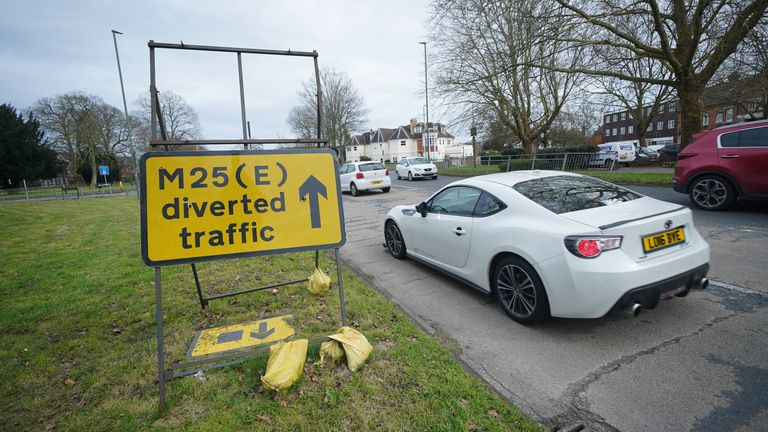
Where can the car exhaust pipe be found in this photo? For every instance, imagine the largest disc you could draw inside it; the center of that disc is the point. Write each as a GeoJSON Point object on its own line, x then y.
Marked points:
{"type": "Point", "coordinates": [634, 309]}
{"type": "Point", "coordinates": [700, 283]}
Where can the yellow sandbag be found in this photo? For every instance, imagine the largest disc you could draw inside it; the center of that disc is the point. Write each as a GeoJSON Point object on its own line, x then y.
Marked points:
{"type": "Point", "coordinates": [285, 364]}
{"type": "Point", "coordinates": [319, 282]}
{"type": "Point", "coordinates": [356, 346]}
{"type": "Point", "coordinates": [332, 349]}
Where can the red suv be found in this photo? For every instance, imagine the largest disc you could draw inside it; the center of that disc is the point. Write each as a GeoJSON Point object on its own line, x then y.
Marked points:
{"type": "Point", "coordinates": [725, 164]}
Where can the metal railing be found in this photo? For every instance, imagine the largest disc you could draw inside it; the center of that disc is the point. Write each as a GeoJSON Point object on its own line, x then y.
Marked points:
{"type": "Point", "coordinates": [580, 162]}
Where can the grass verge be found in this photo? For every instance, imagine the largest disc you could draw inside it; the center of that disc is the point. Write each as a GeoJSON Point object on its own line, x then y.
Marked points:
{"type": "Point", "coordinates": [77, 330]}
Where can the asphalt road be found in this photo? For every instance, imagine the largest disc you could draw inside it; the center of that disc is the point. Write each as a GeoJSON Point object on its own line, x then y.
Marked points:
{"type": "Point", "coordinates": [694, 363]}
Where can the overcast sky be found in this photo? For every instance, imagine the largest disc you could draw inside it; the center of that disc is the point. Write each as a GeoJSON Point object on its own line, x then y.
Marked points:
{"type": "Point", "coordinates": [56, 47]}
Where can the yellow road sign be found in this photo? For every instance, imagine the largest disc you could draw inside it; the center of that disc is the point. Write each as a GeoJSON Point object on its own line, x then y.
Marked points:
{"type": "Point", "coordinates": [198, 206]}
{"type": "Point", "coordinates": [237, 336]}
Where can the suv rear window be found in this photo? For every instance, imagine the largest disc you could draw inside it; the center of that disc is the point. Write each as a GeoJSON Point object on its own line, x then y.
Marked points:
{"type": "Point", "coordinates": [563, 194]}
{"type": "Point", "coordinates": [371, 167]}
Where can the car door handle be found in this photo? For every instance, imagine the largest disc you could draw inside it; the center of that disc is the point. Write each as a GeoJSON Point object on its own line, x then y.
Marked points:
{"type": "Point", "coordinates": [730, 156]}
{"type": "Point", "coordinates": [459, 231]}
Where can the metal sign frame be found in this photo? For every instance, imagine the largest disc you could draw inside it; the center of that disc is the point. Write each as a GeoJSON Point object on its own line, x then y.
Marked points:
{"type": "Point", "coordinates": [184, 368]}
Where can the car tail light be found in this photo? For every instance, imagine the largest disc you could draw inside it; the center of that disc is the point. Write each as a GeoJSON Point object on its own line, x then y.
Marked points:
{"type": "Point", "coordinates": [591, 247]}
{"type": "Point", "coordinates": [386, 172]}
{"type": "Point", "coordinates": [359, 175]}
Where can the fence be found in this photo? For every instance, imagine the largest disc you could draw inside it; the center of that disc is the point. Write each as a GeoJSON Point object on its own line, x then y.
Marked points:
{"type": "Point", "coordinates": [581, 162]}
{"type": "Point", "coordinates": [60, 188]}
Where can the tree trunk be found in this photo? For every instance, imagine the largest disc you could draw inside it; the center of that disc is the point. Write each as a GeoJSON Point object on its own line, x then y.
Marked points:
{"type": "Point", "coordinates": [94, 171]}
{"type": "Point", "coordinates": [691, 109]}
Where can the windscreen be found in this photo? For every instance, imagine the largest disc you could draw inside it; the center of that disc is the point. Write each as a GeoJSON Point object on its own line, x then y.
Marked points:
{"type": "Point", "coordinates": [372, 167]}
{"type": "Point", "coordinates": [418, 161]}
{"type": "Point", "coordinates": [563, 194]}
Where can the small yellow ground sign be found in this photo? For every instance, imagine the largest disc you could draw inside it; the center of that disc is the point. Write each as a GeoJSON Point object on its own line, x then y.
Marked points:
{"type": "Point", "coordinates": [220, 339]}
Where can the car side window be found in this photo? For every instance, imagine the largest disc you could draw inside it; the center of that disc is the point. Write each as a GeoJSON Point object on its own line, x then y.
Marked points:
{"type": "Point", "coordinates": [488, 205]}
{"type": "Point", "coordinates": [729, 139]}
{"type": "Point", "coordinates": [459, 200]}
{"type": "Point", "coordinates": [757, 137]}
{"type": "Point", "coordinates": [343, 169]}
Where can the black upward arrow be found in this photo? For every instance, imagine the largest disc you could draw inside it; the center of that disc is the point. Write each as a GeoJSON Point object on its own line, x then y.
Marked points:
{"type": "Point", "coordinates": [313, 188]}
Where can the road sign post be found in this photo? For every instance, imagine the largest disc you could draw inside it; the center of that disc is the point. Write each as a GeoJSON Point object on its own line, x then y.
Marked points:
{"type": "Point", "coordinates": [205, 206]}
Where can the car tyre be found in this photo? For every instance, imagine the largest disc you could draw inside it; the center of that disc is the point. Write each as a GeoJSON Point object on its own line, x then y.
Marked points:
{"type": "Point", "coordinates": [520, 291]}
{"type": "Point", "coordinates": [397, 173]}
{"type": "Point", "coordinates": [712, 192]}
{"type": "Point", "coordinates": [386, 189]}
{"type": "Point", "coordinates": [353, 190]}
{"type": "Point", "coordinates": [393, 238]}
{"type": "Point", "coordinates": [434, 178]}
{"type": "Point", "coordinates": [410, 176]}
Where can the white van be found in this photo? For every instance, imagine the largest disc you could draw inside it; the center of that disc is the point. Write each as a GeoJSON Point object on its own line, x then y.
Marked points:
{"type": "Point", "coordinates": [620, 152]}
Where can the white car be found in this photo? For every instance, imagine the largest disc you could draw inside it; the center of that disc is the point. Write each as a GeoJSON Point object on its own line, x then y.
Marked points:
{"type": "Point", "coordinates": [552, 243]}
{"type": "Point", "coordinates": [359, 176]}
{"type": "Point", "coordinates": [415, 167]}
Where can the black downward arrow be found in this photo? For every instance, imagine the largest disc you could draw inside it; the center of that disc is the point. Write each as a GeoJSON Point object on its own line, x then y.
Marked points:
{"type": "Point", "coordinates": [313, 188]}
{"type": "Point", "coordinates": [263, 333]}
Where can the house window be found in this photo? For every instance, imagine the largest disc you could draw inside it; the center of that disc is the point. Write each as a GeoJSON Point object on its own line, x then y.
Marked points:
{"type": "Point", "coordinates": [719, 118]}
{"type": "Point", "coordinates": [354, 148]}
{"type": "Point", "coordinates": [614, 131]}
{"type": "Point", "coordinates": [607, 132]}
{"type": "Point", "coordinates": [752, 107]}
{"type": "Point", "coordinates": [623, 116]}
{"type": "Point", "coordinates": [630, 129]}
{"type": "Point", "coordinates": [613, 117]}
{"type": "Point", "coordinates": [622, 130]}
{"type": "Point", "coordinates": [348, 149]}
{"type": "Point", "coordinates": [650, 127]}
{"type": "Point", "coordinates": [607, 119]}
{"type": "Point", "coordinates": [671, 124]}
{"type": "Point", "coordinates": [661, 108]}
{"type": "Point", "coordinates": [705, 119]}
{"type": "Point", "coordinates": [402, 143]}
{"type": "Point", "coordinates": [659, 125]}
{"type": "Point", "coordinates": [729, 115]}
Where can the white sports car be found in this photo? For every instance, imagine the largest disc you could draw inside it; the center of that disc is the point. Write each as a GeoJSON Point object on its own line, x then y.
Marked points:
{"type": "Point", "coordinates": [552, 243]}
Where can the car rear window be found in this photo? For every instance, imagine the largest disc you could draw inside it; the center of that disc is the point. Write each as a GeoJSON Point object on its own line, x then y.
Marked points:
{"type": "Point", "coordinates": [371, 167]}
{"type": "Point", "coordinates": [563, 194]}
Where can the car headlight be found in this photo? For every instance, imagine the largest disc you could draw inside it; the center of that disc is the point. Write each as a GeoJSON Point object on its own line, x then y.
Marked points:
{"type": "Point", "coordinates": [591, 246]}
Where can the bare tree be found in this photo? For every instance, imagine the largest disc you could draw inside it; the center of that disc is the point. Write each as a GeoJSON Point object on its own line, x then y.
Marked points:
{"type": "Point", "coordinates": [689, 39]}
{"type": "Point", "coordinates": [83, 130]}
{"type": "Point", "coordinates": [640, 99]}
{"type": "Point", "coordinates": [180, 119]}
{"type": "Point", "coordinates": [344, 110]}
{"type": "Point", "coordinates": [483, 56]}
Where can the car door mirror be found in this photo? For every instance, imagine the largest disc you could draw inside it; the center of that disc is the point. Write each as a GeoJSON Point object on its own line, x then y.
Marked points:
{"type": "Point", "coordinates": [422, 208]}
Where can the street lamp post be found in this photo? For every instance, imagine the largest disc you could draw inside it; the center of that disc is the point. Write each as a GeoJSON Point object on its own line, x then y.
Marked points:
{"type": "Point", "coordinates": [127, 122]}
{"type": "Point", "coordinates": [426, 97]}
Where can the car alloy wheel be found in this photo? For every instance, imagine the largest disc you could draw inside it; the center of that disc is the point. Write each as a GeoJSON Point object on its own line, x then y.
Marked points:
{"type": "Point", "coordinates": [410, 176]}
{"type": "Point", "coordinates": [712, 193]}
{"type": "Point", "coordinates": [353, 190]}
{"type": "Point", "coordinates": [520, 291]}
{"type": "Point", "coordinates": [394, 240]}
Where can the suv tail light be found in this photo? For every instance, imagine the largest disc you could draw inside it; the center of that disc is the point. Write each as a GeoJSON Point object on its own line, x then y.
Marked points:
{"type": "Point", "coordinates": [591, 247]}
{"type": "Point", "coordinates": [359, 175]}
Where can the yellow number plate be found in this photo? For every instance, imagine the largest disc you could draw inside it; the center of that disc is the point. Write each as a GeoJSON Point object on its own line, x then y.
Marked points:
{"type": "Point", "coordinates": [377, 182]}
{"type": "Point", "coordinates": [664, 239]}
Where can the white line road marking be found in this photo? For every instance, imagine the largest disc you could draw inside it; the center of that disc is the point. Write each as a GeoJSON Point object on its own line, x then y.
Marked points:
{"type": "Point", "coordinates": [737, 288]}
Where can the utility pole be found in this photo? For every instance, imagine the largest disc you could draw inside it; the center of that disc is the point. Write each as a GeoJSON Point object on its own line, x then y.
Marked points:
{"type": "Point", "coordinates": [426, 97]}
{"type": "Point", "coordinates": [127, 121]}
